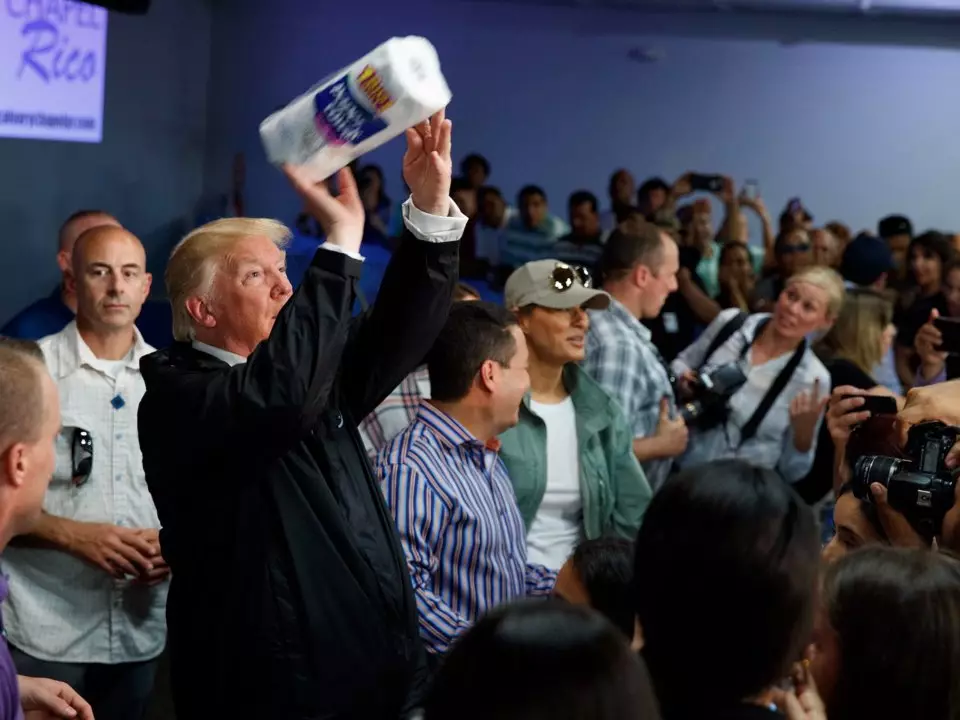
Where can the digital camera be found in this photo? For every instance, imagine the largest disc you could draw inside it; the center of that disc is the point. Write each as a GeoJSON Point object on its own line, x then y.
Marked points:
{"type": "Point", "coordinates": [919, 486]}
{"type": "Point", "coordinates": [711, 391]}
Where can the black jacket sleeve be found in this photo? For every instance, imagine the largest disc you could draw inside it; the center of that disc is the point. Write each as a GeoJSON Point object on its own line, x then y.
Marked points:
{"type": "Point", "coordinates": [278, 394]}
{"type": "Point", "coordinates": [393, 337]}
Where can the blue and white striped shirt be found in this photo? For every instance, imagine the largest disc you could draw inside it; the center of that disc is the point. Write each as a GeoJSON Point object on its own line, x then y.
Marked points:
{"type": "Point", "coordinates": [459, 524]}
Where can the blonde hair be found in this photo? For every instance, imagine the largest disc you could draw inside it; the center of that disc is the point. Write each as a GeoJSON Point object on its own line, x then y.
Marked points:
{"type": "Point", "coordinates": [827, 280]}
{"type": "Point", "coordinates": [857, 335]}
{"type": "Point", "coordinates": [196, 260]}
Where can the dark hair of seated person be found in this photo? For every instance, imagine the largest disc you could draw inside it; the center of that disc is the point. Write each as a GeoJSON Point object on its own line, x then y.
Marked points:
{"type": "Point", "coordinates": [541, 660]}
{"type": "Point", "coordinates": [605, 567]}
{"type": "Point", "coordinates": [725, 574]}
{"type": "Point", "coordinates": [888, 636]}
{"type": "Point", "coordinates": [474, 333]}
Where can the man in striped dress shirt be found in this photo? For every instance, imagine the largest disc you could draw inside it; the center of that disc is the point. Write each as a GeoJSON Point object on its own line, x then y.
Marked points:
{"type": "Point", "coordinates": [447, 488]}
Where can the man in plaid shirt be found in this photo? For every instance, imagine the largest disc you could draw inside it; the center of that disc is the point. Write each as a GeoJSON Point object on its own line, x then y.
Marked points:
{"type": "Point", "coordinates": [400, 407]}
{"type": "Point", "coordinates": [639, 270]}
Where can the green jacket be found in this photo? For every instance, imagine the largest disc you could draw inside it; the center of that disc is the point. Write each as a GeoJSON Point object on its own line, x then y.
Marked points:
{"type": "Point", "coordinates": [613, 488]}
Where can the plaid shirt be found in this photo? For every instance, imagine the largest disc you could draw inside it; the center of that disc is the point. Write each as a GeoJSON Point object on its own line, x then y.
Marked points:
{"type": "Point", "coordinates": [621, 357]}
{"type": "Point", "coordinates": [396, 413]}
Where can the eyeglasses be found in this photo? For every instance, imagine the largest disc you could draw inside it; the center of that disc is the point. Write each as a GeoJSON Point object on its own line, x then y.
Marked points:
{"type": "Point", "coordinates": [566, 276]}
{"type": "Point", "coordinates": [81, 455]}
{"type": "Point", "coordinates": [791, 249]}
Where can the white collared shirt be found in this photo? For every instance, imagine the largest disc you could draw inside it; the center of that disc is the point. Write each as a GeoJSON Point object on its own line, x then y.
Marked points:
{"type": "Point", "coordinates": [61, 608]}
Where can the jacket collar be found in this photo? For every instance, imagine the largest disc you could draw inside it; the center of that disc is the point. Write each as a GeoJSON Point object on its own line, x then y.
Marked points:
{"type": "Point", "coordinates": [620, 312]}
{"type": "Point", "coordinates": [449, 431]}
{"type": "Point", "coordinates": [591, 402]}
{"type": "Point", "coordinates": [72, 352]}
{"type": "Point", "coordinates": [226, 356]}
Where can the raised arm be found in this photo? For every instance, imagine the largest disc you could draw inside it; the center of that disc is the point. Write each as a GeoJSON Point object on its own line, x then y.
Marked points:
{"type": "Point", "coordinates": [420, 515]}
{"type": "Point", "coordinates": [393, 338]}
{"type": "Point", "coordinates": [282, 389]}
{"type": "Point", "coordinates": [759, 207]}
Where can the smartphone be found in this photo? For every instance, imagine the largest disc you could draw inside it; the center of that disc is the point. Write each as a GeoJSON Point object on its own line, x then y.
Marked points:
{"type": "Point", "coordinates": [751, 189]}
{"type": "Point", "coordinates": [876, 405]}
{"type": "Point", "coordinates": [706, 183]}
{"type": "Point", "coordinates": [950, 330]}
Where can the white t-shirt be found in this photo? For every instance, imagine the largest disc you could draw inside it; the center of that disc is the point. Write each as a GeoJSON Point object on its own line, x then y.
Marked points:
{"type": "Point", "coordinates": [558, 524]}
{"type": "Point", "coordinates": [110, 368]}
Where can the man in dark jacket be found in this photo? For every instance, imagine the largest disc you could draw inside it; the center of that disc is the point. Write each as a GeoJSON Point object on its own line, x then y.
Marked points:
{"type": "Point", "coordinates": [290, 598]}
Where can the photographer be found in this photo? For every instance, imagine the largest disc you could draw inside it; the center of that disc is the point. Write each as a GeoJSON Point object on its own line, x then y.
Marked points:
{"type": "Point", "coordinates": [916, 503]}
{"type": "Point", "coordinates": [771, 417]}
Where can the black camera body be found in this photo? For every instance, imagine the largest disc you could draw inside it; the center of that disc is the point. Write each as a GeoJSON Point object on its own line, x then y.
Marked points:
{"type": "Point", "coordinates": [921, 486]}
{"type": "Point", "coordinates": [710, 393]}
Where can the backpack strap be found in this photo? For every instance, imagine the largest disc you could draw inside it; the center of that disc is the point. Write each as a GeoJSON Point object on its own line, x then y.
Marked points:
{"type": "Point", "coordinates": [753, 424]}
{"type": "Point", "coordinates": [725, 333]}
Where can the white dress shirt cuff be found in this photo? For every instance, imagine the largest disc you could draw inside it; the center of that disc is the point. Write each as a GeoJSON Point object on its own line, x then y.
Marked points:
{"type": "Point", "coordinates": [434, 228]}
{"type": "Point", "coordinates": [337, 248]}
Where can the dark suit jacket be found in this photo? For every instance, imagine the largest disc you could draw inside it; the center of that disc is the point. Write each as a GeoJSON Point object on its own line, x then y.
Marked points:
{"type": "Point", "coordinates": [290, 597]}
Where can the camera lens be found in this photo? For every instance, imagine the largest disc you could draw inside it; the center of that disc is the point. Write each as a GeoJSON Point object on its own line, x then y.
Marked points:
{"type": "Point", "coordinates": [875, 469]}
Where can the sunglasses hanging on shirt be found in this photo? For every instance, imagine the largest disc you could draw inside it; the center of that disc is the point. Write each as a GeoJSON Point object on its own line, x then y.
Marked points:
{"type": "Point", "coordinates": [81, 454]}
{"type": "Point", "coordinates": [566, 276]}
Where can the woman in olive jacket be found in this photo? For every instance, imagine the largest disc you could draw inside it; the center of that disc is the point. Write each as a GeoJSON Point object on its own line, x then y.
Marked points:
{"type": "Point", "coordinates": [570, 457]}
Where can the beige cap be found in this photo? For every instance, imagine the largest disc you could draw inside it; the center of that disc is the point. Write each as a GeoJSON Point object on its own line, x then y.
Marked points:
{"type": "Point", "coordinates": [551, 284]}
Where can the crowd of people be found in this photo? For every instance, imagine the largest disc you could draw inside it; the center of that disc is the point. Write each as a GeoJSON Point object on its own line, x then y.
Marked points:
{"type": "Point", "coordinates": [675, 473]}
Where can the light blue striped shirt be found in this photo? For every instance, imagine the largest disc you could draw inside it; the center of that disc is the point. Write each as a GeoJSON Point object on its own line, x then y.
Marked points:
{"type": "Point", "coordinates": [459, 524]}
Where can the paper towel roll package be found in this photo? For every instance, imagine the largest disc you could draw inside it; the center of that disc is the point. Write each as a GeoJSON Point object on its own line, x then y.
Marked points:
{"type": "Point", "coordinates": [359, 108]}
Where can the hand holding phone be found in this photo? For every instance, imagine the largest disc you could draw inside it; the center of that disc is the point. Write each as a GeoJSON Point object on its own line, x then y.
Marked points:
{"type": "Point", "coordinates": [875, 404]}
{"type": "Point", "coordinates": [706, 183]}
{"type": "Point", "coordinates": [949, 332]}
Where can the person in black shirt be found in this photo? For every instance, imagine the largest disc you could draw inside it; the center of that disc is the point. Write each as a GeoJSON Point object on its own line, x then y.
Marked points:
{"type": "Point", "coordinates": [928, 255]}
{"type": "Point", "coordinates": [936, 365]}
{"type": "Point", "coordinates": [689, 309]}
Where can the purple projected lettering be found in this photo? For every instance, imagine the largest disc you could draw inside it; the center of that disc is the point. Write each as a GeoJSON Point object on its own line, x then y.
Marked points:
{"type": "Point", "coordinates": [47, 52]}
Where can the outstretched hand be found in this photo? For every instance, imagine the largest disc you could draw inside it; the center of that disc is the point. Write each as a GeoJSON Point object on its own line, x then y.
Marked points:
{"type": "Point", "coordinates": [341, 216]}
{"type": "Point", "coordinates": [428, 166]}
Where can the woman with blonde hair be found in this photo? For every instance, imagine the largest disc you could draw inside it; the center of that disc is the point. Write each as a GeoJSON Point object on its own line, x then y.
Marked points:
{"type": "Point", "coordinates": [771, 416]}
{"type": "Point", "coordinates": [860, 337]}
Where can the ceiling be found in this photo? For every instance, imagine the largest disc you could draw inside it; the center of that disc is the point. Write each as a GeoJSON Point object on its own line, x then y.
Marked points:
{"type": "Point", "coordinates": [868, 8]}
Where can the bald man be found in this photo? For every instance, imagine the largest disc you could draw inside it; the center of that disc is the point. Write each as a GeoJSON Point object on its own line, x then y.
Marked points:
{"type": "Point", "coordinates": [52, 313]}
{"type": "Point", "coordinates": [88, 591]}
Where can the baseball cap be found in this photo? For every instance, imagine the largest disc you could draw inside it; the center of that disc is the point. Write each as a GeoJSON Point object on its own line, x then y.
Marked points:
{"type": "Point", "coordinates": [866, 258]}
{"type": "Point", "coordinates": [552, 284]}
{"type": "Point", "coordinates": [895, 225]}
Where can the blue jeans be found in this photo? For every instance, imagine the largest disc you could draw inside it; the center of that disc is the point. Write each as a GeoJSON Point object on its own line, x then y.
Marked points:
{"type": "Point", "coordinates": [116, 692]}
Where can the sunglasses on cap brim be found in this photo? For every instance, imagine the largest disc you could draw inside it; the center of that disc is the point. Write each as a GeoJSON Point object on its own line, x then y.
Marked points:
{"type": "Point", "coordinates": [566, 276]}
